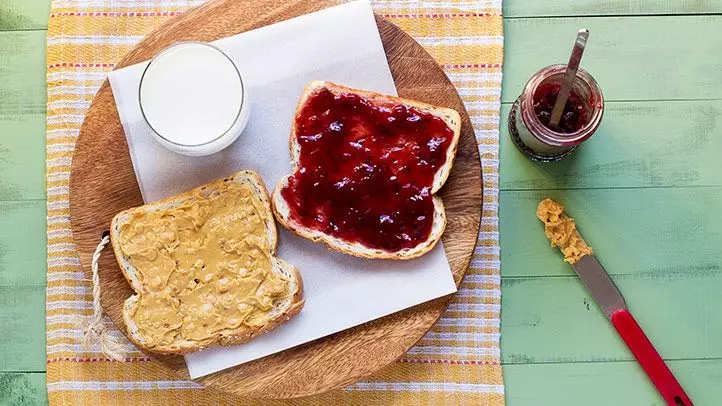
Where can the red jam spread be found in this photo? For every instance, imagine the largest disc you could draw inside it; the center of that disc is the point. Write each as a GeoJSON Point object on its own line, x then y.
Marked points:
{"type": "Point", "coordinates": [574, 116]}
{"type": "Point", "coordinates": [366, 170]}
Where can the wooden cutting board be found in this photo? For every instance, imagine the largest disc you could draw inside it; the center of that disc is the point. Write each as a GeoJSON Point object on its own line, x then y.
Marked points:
{"type": "Point", "coordinates": [103, 183]}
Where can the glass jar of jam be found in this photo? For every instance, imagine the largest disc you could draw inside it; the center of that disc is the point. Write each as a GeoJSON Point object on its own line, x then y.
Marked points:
{"type": "Point", "coordinates": [530, 114]}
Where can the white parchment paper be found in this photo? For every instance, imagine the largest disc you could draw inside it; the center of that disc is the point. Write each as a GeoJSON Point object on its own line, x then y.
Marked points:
{"type": "Point", "coordinates": [339, 44]}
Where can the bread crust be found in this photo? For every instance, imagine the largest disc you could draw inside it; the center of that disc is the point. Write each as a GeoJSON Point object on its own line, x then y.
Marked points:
{"type": "Point", "coordinates": [293, 304]}
{"type": "Point", "coordinates": [282, 213]}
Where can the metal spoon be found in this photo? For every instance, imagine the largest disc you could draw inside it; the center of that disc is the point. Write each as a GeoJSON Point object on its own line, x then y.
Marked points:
{"type": "Point", "coordinates": [569, 76]}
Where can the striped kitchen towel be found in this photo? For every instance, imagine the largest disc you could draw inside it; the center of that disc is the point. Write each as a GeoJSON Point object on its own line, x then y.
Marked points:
{"type": "Point", "coordinates": [457, 362]}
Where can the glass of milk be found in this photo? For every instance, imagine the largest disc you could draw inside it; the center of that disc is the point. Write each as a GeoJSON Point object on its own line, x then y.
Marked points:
{"type": "Point", "coordinates": [193, 98]}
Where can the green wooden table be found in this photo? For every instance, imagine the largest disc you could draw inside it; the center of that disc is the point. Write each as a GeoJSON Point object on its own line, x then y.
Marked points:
{"type": "Point", "coordinates": [646, 190]}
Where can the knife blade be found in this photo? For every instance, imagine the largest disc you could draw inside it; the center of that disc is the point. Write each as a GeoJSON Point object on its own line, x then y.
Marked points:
{"type": "Point", "coordinates": [599, 285]}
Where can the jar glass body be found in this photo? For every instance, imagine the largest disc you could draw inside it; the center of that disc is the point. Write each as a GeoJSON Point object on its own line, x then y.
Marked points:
{"type": "Point", "coordinates": [538, 141]}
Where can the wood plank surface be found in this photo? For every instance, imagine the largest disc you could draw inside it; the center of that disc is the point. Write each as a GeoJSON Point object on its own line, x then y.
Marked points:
{"type": "Point", "coordinates": [660, 231]}
{"type": "Point", "coordinates": [607, 383]}
{"type": "Point", "coordinates": [22, 389]}
{"type": "Point", "coordinates": [24, 15]}
{"type": "Point", "coordinates": [22, 74]}
{"type": "Point", "coordinates": [22, 115]}
{"type": "Point", "coordinates": [568, 8]}
{"type": "Point", "coordinates": [546, 326]}
{"type": "Point", "coordinates": [22, 213]}
{"type": "Point", "coordinates": [22, 317]}
{"type": "Point", "coordinates": [22, 243]}
{"type": "Point", "coordinates": [632, 58]}
{"type": "Point", "coordinates": [639, 144]}
{"type": "Point", "coordinates": [22, 157]}
{"type": "Point", "coordinates": [552, 320]}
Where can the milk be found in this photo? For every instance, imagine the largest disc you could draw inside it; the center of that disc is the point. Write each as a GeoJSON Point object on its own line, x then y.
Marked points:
{"type": "Point", "coordinates": [192, 97]}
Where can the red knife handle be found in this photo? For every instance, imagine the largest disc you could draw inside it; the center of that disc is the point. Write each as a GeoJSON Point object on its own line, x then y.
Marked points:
{"type": "Point", "coordinates": [649, 359]}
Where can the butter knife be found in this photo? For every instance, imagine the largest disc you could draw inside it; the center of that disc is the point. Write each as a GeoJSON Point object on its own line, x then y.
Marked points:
{"type": "Point", "coordinates": [607, 296]}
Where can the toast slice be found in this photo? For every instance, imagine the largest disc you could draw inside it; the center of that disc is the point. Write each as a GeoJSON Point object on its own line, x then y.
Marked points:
{"type": "Point", "coordinates": [366, 247]}
{"type": "Point", "coordinates": [203, 268]}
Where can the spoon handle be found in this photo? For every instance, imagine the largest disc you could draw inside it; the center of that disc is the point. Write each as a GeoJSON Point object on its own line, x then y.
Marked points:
{"type": "Point", "coordinates": [569, 77]}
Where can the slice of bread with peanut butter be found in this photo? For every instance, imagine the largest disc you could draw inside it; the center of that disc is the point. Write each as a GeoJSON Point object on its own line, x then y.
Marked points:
{"type": "Point", "coordinates": [203, 267]}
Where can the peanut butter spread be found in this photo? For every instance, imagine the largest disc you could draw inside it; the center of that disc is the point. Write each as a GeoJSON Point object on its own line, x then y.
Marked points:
{"type": "Point", "coordinates": [561, 230]}
{"type": "Point", "coordinates": [204, 266]}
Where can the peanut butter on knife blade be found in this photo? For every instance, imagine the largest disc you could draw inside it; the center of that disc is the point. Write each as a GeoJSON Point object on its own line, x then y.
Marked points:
{"type": "Point", "coordinates": [561, 230]}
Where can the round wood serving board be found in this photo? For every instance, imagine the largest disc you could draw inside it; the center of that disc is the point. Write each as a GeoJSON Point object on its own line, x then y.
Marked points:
{"type": "Point", "coordinates": [103, 183]}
